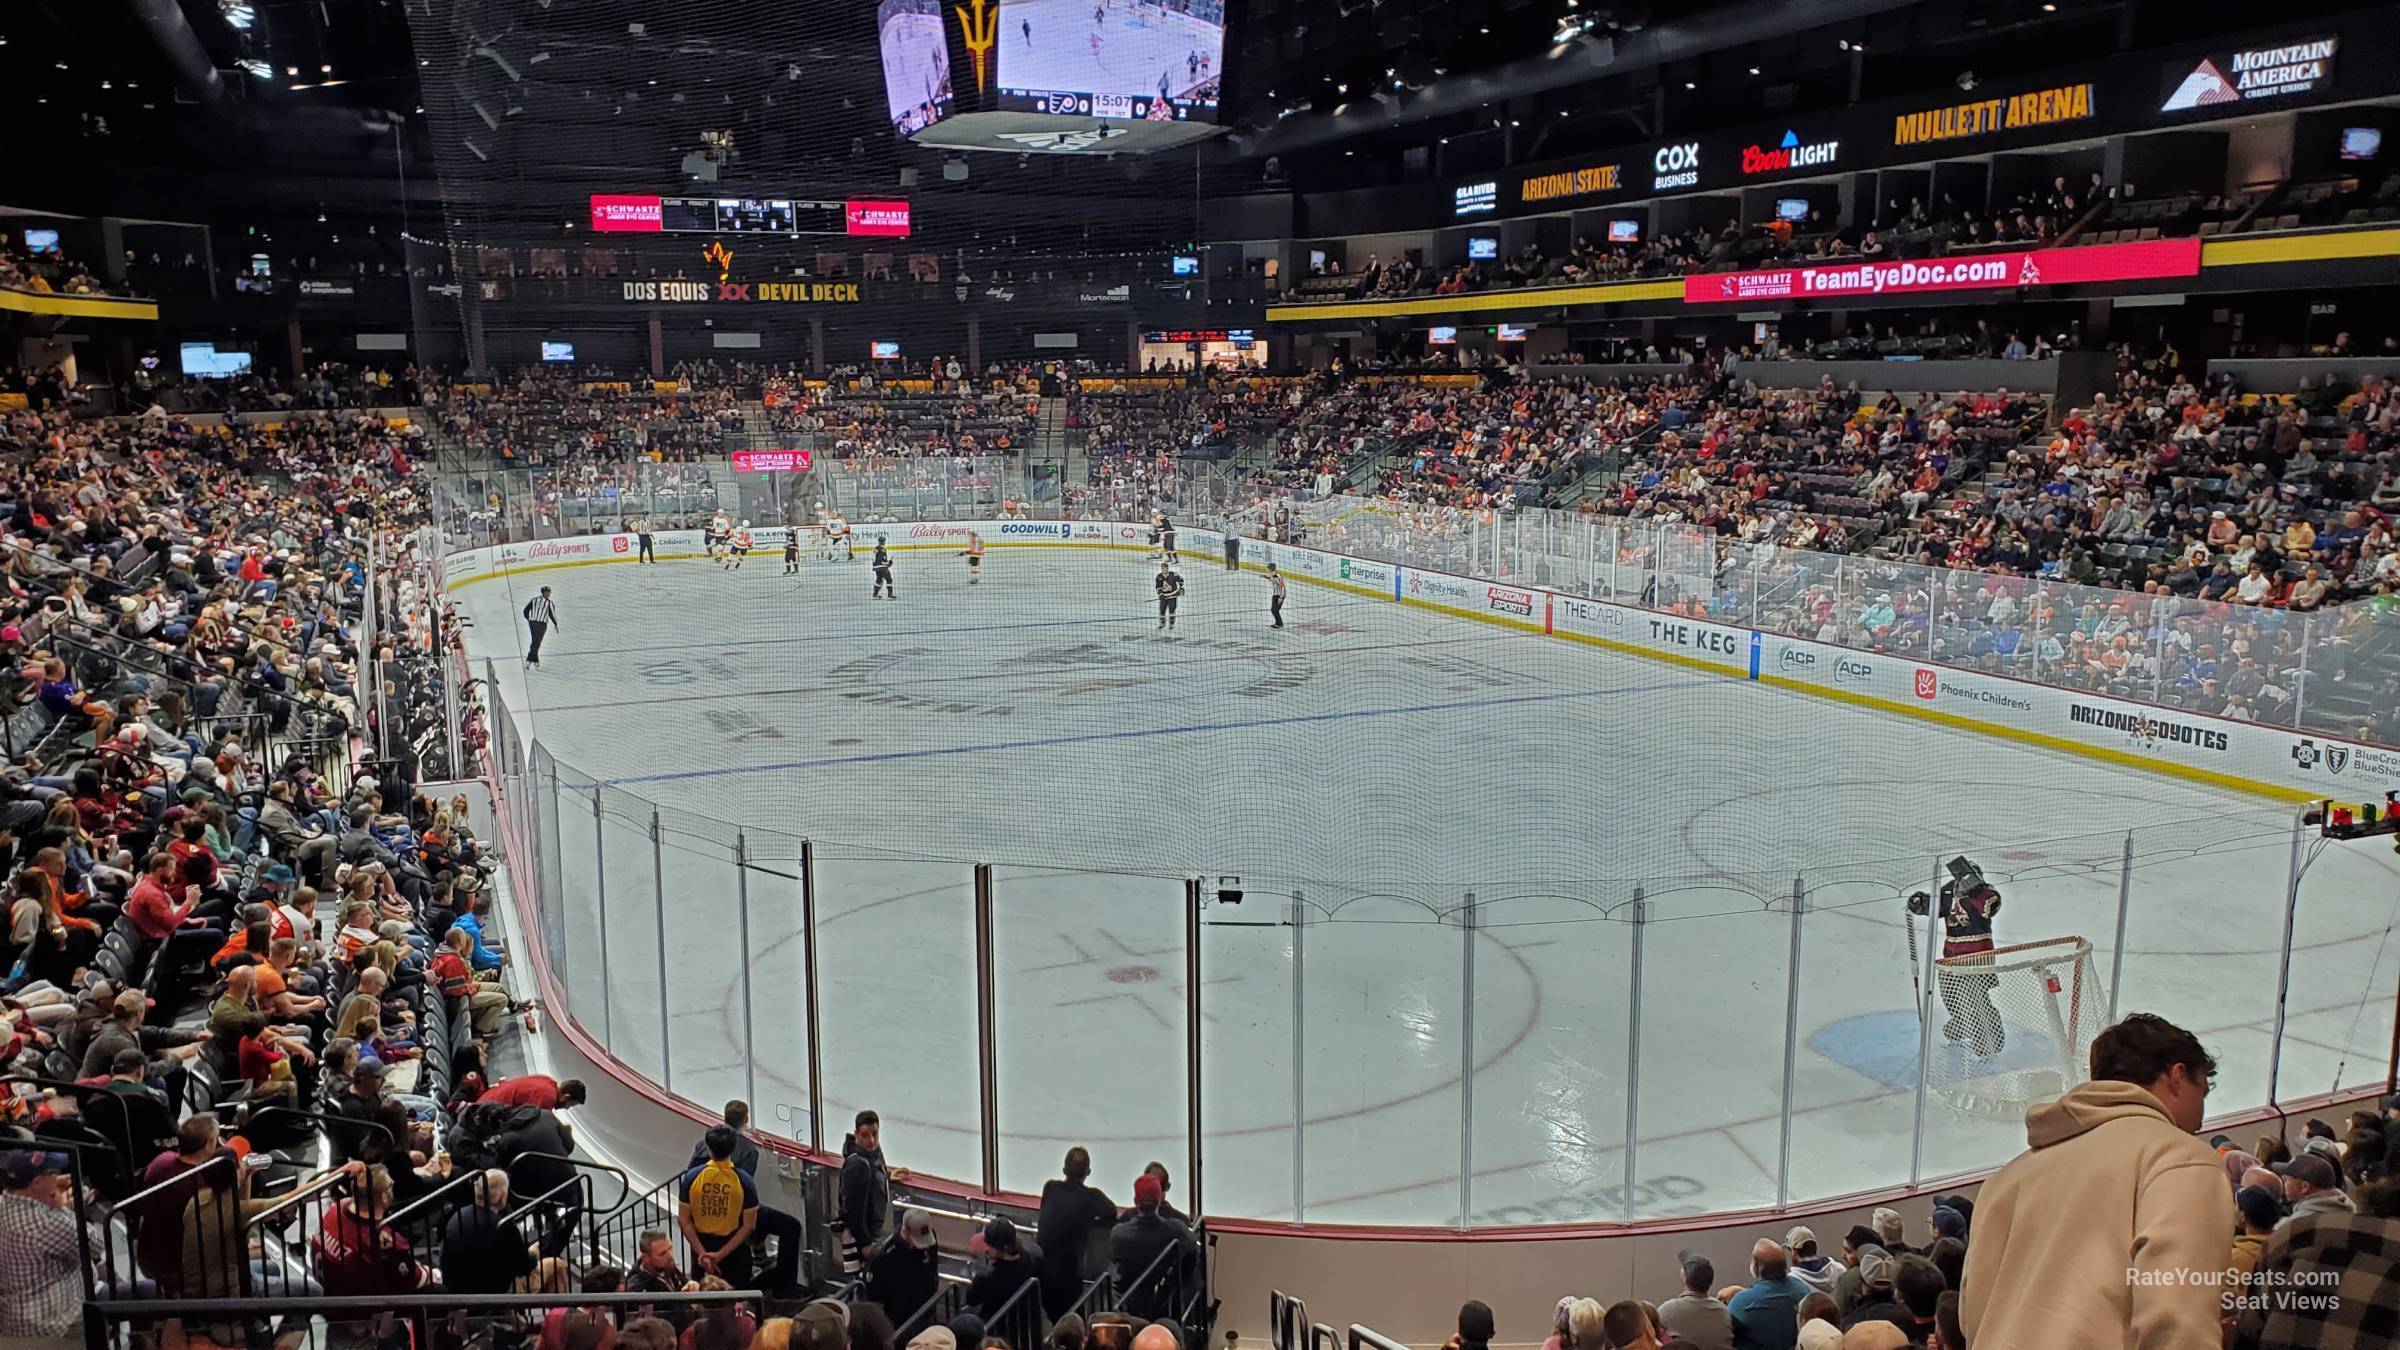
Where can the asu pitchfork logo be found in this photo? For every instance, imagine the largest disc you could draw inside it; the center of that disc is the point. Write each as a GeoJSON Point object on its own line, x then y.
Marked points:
{"type": "Point", "coordinates": [717, 253]}
{"type": "Point", "coordinates": [978, 30]}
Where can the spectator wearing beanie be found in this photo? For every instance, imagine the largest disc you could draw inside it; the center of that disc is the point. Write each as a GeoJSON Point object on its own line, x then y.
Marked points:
{"type": "Point", "coordinates": [1695, 1315]}
{"type": "Point", "coordinates": [1890, 1231]}
{"type": "Point", "coordinates": [2259, 1210]}
{"type": "Point", "coordinates": [1137, 1241]}
{"type": "Point", "coordinates": [2114, 1184]}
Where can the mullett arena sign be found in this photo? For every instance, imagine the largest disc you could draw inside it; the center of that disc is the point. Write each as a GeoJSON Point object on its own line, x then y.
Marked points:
{"type": "Point", "coordinates": [1984, 117]}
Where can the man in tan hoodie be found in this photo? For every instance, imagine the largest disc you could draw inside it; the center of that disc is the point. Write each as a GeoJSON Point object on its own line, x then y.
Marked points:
{"type": "Point", "coordinates": [2112, 1228]}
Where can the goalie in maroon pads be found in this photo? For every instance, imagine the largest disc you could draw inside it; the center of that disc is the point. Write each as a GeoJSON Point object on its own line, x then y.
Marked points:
{"type": "Point", "coordinates": [1967, 904]}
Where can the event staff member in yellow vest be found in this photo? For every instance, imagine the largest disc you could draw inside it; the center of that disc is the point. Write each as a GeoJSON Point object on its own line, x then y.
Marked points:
{"type": "Point", "coordinates": [719, 1212]}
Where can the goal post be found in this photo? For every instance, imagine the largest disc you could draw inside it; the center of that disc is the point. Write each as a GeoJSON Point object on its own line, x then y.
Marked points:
{"type": "Point", "coordinates": [2016, 1025]}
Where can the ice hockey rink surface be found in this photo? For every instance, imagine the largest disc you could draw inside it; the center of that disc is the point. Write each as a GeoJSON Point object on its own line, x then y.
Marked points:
{"type": "Point", "coordinates": [1383, 763]}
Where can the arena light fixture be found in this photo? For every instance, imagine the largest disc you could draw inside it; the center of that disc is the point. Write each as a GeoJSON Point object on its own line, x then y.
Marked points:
{"type": "Point", "coordinates": [239, 15]}
{"type": "Point", "coordinates": [256, 69]}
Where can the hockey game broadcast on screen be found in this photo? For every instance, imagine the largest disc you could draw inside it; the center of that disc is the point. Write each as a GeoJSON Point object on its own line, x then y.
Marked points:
{"type": "Point", "coordinates": [1155, 60]}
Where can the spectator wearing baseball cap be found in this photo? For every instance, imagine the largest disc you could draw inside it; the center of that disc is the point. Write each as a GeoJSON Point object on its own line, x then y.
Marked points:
{"type": "Point", "coordinates": [1695, 1315]}
{"type": "Point", "coordinates": [1013, 1263]}
{"type": "Point", "coordinates": [904, 1268]}
{"type": "Point", "coordinates": [1136, 1243]}
{"type": "Point", "coordinates": [1878, 1290]}
{"type": "Point", "coordinates": [2313, 1186]}
{"type": "Point", "coordinates": [1809, 1268]}
{"type": "Point", "coordinates": [41, 1262]}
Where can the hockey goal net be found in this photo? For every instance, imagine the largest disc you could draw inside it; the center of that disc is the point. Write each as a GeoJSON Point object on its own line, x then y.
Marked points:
{"type": "Point", "coordinates": [2014, 1025]}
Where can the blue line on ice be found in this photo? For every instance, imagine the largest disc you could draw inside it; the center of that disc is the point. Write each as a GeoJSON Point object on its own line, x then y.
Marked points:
{"type": "Point", "coordinates": [1301, 719]}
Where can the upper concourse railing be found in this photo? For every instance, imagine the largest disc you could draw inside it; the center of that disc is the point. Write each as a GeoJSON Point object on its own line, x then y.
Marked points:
{"type": "Point", "coordinates": [1606, 1042]}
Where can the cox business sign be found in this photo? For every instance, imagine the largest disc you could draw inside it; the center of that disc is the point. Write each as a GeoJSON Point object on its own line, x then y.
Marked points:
{"type": "Point", "coordinates": [2141, 261]}
{"type": "Point", "coordinates": [1676, 166]}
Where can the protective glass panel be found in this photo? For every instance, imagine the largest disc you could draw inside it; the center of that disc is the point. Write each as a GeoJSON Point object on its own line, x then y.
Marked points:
{"type": "Point", "coordinates": [1547, 1120]}
{"type": "Point", "coordinates": [896, 955]}
{"type": "Point", "coordinates": [1382, 1036]}
{"type": "Point", "coordinates": [1091, 985]}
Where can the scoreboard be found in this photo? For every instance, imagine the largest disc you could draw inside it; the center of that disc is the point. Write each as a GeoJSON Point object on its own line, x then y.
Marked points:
{"type": "Point", "coordinates": [749, 215]}
{"type": "Point", "coordinates": [614, 213]}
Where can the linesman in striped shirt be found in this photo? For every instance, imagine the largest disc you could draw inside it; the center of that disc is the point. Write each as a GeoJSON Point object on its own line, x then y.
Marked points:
{"type": "Point", "coordinates": [541, 615]}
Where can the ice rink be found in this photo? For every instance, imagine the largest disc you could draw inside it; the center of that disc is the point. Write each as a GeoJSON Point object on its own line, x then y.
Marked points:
{"type": "Point", "coordinates": [1383, 763]}
{"type": "Point", "coordinates": [1056, 44]}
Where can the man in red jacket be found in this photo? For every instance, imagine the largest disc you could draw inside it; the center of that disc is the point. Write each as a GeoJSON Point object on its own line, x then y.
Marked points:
{"type": "Point", "coordinates": [535, 1089]}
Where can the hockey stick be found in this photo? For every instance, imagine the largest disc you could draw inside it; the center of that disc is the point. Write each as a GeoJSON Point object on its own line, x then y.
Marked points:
{"type": "Point", "coordinates": [1916, 983]}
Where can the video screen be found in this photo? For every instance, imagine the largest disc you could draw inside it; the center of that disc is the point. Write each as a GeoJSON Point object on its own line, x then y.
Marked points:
{"type": "Point", "coordinates": [916, 63]}
{"type": "Point", "coordinates": [883, 351]}
{"type": "Point", "coordinates": [202, 360]}
{"type": "Point", "coordinates": [749, 215]}
{"type": "Point", "coordinates": [1482, 246]}
{"type": "Point", "coordinates": [1511, 332]}
{"type": "Point", "coordinates": [41, 241]}
{"type": "Point", "coordinates": [557, 351]}
{"type": "Point", "coordinates": [1147, 60]}
{"type": "Point", "coordinates": [2357, 143]}
{"type": "Point", "coordinates": [1624, 231]}
{"type": "Point", "coordinates": [1791, 208]}
{"type": "Point", "coordinates": [1184, 266]}
{"type": "Point", "coordinates": [1441, 337]}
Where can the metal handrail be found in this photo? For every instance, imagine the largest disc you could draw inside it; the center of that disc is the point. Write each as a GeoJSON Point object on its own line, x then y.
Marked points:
{"type": "Point", "coordinates": [305, 1191]}
{"type": "Point", "coordinates": [408, 1211]}
{"type": "Point", "coordinates": [1000, 1315]}
{"type": "Point", "coordinates": [391, 1141]}
{"type": "Point", "coordinates": [624, 1182]}
{"type": "Point", "coordinates": [132, 1203]}
{"type": "Point", "coordinates": [1104, 1285]}
{"type": "Point", "coordinates": [946, 1286]}
{"type": "Point", "coordinates": [570, 1184]}
{"type": "Point", "coordinates": [365, 1306]}
{"type": "Point", "coordinates": [1364, 1337]}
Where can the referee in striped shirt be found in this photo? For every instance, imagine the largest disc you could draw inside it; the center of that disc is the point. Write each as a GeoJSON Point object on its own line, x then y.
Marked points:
{"type": "Point", "coordinates": [541, 614]}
